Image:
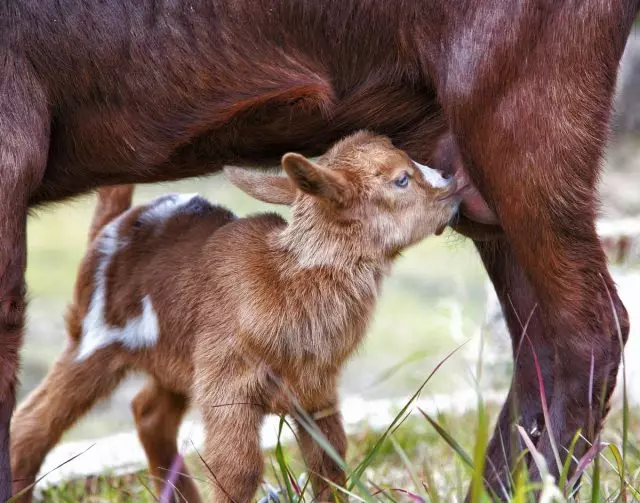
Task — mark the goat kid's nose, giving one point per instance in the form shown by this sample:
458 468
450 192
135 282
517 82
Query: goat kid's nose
435 178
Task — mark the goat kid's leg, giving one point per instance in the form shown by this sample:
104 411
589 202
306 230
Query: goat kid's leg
158 414
320 464
24 141
523 405
232 453
69 390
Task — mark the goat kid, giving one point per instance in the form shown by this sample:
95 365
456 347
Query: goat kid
242 317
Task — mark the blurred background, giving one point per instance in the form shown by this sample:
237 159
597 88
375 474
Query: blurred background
436 298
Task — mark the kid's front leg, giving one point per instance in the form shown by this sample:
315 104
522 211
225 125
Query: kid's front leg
321 466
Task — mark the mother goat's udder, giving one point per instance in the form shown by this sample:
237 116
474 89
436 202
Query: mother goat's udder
473 205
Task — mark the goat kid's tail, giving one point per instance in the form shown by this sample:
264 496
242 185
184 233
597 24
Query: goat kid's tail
113 201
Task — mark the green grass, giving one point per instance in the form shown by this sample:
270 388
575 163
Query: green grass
414 459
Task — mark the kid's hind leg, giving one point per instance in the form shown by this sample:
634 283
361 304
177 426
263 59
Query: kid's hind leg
70 389
158 413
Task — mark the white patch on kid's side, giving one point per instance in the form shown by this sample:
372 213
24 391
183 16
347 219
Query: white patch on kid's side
139 332
432 176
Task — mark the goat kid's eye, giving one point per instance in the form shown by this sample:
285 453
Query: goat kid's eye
402 182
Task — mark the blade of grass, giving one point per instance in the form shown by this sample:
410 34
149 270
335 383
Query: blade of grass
448 438
619 471
537 458
346 491
545 408
615 452
459 468
625 401
519 494
276 474
567 464
222 488
284 469
400 423
379 491
482 439
405 460
304 488
17 496
185 474
595 480
584 462
429 486
390 371
412 496
146 487
294 484
549 490
520 473
462 454
357 472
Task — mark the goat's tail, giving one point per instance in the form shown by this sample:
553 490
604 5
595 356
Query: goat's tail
113 201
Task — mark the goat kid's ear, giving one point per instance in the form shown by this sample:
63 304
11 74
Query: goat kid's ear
314 179
264 187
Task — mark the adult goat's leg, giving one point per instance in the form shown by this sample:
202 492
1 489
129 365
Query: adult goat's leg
523 405
549 220
519 305
532 132
24 137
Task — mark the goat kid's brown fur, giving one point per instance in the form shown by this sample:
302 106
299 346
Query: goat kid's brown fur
254 315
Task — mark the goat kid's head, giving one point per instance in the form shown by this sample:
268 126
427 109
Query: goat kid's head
364 186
